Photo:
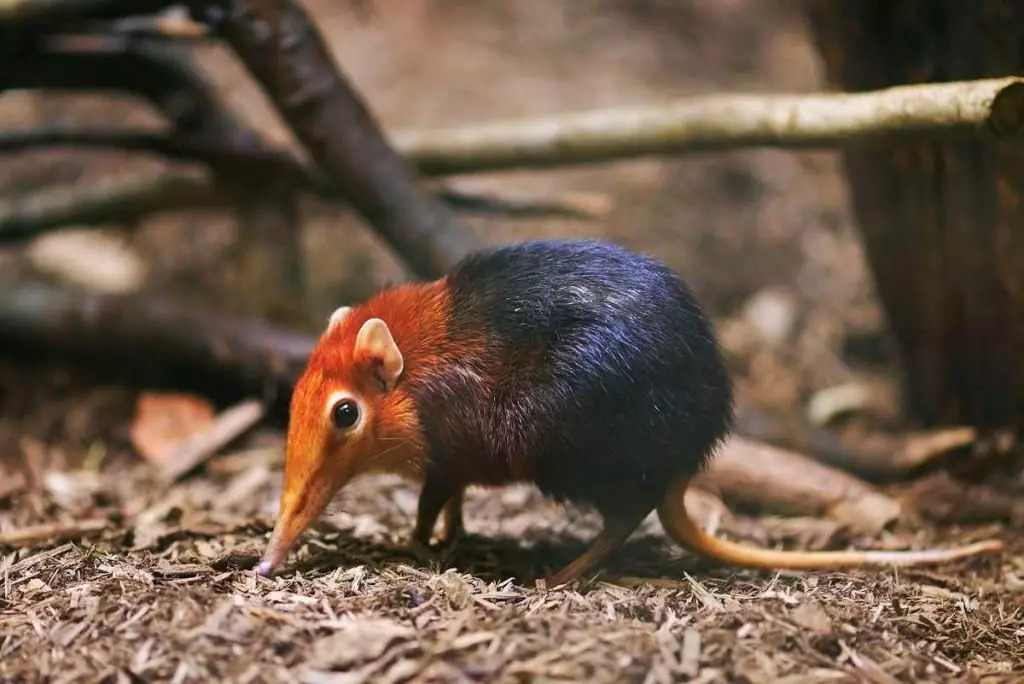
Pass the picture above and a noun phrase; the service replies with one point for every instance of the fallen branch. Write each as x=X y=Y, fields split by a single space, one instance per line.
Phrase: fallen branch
x=755 y=474
x=152 y=340
x=718 y=122
x=283 y=50
x=713 y=122
x=875 y=458
x=54 y=532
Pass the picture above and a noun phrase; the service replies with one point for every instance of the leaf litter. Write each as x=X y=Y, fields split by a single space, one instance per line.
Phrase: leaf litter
x=165 y=590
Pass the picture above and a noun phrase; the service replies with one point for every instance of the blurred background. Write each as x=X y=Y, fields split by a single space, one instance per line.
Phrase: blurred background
x=764 y=236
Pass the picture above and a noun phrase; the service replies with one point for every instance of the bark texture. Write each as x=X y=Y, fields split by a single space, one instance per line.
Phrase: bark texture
x=940 y=219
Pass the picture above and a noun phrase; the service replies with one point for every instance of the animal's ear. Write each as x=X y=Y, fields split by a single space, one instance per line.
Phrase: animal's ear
x=338 y=316
x=376 y=347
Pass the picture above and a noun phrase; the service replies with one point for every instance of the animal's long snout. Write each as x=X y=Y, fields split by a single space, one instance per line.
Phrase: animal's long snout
x=301 y=502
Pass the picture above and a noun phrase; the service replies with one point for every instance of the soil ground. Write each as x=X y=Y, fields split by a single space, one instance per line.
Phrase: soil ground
x=172 y=597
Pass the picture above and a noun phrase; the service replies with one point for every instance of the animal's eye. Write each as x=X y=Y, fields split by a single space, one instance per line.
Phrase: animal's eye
x=345 y=414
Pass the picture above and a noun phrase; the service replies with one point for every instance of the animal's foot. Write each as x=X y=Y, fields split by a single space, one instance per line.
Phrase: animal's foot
x=421 y=551
x=447 y=539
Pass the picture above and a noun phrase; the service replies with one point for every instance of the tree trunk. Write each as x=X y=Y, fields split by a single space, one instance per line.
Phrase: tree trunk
x=941 y=221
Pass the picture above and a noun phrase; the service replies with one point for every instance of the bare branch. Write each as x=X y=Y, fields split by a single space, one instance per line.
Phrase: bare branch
x=251 y=160
x=129 y=198
x=786 y=481
x=563 y=205
x=282 y=49
x=154 y=72
x=47 y=14
x=716 y=122
x=874 y=458
x=257 y=160
x=110 y=200
x=54 y=532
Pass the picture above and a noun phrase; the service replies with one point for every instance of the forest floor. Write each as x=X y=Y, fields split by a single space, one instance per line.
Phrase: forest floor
x=166 y=591
x=172 y=596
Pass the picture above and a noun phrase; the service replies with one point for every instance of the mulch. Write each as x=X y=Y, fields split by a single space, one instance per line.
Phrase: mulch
x=166 y=590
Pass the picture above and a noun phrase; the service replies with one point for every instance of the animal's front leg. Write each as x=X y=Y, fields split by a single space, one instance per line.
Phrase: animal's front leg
x=453 y=525
x=433 y=498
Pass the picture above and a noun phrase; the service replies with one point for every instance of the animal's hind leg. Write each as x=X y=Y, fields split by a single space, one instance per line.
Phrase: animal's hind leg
x=617 y=528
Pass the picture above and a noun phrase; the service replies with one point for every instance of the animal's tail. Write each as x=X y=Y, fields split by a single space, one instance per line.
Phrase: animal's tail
x=682 y=529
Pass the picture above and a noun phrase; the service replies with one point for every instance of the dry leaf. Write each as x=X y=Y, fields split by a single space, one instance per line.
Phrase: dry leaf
x=811 y=616
x=357 y=641
x=164 y=420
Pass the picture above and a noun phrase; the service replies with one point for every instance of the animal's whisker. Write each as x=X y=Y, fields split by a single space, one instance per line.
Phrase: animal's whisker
x=385 y=452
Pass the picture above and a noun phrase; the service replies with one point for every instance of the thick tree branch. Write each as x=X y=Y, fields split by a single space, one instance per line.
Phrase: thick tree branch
x=282 y=49
x=717 y=122
x=144 y=339
x=797 y=485
x=878 y=458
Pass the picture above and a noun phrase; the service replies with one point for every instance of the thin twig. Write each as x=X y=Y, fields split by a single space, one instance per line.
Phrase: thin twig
x=110 y=200
x=49 y=14
x=257 y=160
x=253 y=160
x=38 y=534
x=161 y=27
x=128 y=198
x=569 y=205
x=151 y=70
x=227 y=426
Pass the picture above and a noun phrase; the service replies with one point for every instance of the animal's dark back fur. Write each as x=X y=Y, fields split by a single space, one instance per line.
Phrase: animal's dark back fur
x=598 y=370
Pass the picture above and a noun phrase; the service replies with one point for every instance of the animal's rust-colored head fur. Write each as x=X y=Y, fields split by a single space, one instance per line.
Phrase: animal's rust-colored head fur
x=350 y=414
